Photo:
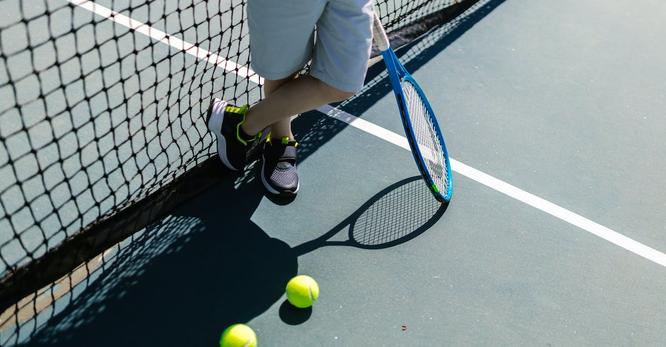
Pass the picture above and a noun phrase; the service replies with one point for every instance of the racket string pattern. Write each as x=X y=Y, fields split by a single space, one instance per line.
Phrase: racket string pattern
x=426 y=136
x=397 y=214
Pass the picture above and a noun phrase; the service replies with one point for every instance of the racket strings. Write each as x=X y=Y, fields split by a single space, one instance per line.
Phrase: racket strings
x=426 y=137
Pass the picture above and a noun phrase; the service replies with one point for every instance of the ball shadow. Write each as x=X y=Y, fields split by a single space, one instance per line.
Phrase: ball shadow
x=293 y=315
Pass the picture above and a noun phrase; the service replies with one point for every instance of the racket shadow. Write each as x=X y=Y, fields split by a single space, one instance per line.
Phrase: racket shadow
x=395 y=215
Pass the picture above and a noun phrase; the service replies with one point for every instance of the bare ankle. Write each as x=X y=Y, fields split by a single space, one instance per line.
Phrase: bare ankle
x=280 y=135
x=248 y=128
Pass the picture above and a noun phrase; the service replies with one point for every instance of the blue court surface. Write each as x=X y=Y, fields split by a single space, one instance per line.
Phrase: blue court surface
x=553 y=113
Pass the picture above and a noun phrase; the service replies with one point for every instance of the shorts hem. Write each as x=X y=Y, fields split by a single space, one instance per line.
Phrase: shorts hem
x=344 y=86
x=276 y=75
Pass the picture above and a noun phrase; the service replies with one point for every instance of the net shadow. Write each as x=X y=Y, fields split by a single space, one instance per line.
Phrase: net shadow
x=151 y=153
x=181 y=280
x=176 y=283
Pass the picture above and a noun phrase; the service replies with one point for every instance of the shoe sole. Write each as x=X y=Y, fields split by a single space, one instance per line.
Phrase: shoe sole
x=215 y=120
x=270 y=188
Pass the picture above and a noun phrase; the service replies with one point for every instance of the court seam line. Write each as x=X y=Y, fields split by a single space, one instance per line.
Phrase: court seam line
x=483 y=178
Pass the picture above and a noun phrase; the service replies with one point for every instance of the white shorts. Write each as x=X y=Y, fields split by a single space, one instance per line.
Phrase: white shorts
x=282 y=39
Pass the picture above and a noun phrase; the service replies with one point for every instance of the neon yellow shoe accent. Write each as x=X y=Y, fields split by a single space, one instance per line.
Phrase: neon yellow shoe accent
x=241 y=111
x=285 y=141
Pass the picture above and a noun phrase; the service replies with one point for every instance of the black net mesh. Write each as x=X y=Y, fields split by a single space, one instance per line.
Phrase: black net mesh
x=102 y=118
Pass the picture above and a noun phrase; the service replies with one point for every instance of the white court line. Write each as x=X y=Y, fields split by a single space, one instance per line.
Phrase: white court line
x=509 y=190
x=165 y=38
x=396 y=139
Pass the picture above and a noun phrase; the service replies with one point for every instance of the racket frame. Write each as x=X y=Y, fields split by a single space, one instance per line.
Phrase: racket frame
x=397 y=74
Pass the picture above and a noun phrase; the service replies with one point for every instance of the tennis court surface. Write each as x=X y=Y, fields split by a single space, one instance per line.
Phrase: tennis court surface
x=119 y=226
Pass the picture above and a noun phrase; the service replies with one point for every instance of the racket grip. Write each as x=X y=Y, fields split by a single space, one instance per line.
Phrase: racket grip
x=380 y=37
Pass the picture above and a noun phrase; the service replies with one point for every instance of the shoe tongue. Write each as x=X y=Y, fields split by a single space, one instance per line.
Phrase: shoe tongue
x=284 y=144
x=288 y=157
x=286 y=152
x=289 y=152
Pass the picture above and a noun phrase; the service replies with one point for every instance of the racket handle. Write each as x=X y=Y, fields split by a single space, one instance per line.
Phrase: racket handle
x=380 y=37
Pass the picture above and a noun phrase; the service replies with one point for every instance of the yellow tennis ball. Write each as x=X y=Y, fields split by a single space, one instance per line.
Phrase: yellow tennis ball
x=238 y=335
x=302 y=291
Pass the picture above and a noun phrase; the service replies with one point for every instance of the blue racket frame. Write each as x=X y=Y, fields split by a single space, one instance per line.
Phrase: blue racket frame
x=397 y=74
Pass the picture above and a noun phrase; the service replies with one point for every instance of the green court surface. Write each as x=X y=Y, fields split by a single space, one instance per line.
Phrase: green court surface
x=553 y=112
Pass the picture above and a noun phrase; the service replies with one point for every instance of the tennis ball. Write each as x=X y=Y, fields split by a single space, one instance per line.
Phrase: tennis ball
x=302 y=291
x=238 y=335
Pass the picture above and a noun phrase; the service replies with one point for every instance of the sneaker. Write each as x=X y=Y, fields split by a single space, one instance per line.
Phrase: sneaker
x=233 y=145
x=278 y=169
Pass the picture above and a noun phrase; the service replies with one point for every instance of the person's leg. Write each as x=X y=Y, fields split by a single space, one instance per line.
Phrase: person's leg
x=279 y=49
x=339 y=64
x=279 y=174
x=281 y=128
x=281 y=43
x=295 y=96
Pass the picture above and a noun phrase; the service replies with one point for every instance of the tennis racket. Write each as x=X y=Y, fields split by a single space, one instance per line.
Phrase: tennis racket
x=423 y=133
x=397 y=214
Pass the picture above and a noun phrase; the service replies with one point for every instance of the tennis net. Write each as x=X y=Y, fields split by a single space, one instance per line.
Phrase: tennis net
x=102 y=125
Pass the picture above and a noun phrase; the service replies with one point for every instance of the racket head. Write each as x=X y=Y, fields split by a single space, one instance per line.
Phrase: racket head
x=422 y=129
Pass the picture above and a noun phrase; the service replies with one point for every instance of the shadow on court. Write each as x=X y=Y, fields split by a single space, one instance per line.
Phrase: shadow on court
x=416 y=55
x=313 y=130
x=180 y=282
x=183 y=279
